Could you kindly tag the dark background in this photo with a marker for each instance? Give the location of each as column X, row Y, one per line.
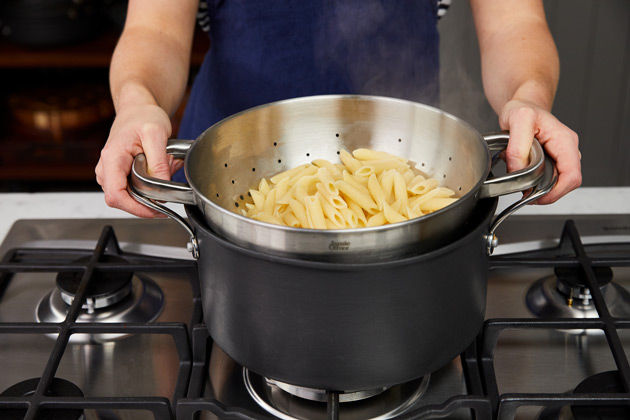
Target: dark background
column 55, row 109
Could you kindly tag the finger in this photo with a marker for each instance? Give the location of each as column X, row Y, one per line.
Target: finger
column 154, row 140
column 562, row 147
column 522, row 125
column 176, row 165
column 115, row 188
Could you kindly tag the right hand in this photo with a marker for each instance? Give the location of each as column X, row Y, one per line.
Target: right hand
column 136, row 129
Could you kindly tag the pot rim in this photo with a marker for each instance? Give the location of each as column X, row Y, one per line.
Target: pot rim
column 229, row 213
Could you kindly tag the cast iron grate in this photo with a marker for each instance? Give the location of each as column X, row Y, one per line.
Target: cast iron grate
column 570, row 252
column 65, row 260
column 190, row 407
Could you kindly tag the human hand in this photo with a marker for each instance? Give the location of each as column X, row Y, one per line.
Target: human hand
column 525, row 121
column 136, row 129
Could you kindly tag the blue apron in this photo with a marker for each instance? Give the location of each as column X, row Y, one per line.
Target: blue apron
column 266, row 50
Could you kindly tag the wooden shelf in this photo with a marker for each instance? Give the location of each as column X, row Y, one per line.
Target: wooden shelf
column 90, row 54
column 48, row 172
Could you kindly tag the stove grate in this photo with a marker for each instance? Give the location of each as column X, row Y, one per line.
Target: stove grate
column 65, row 260
column 506, row 405
column 188, row 408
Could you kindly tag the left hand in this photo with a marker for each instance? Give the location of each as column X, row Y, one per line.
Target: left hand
column 525, row 121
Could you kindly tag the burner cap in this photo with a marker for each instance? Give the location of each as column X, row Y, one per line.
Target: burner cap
column 605, row 382
column 58, row 388
column 574, row 277
column 104, row 289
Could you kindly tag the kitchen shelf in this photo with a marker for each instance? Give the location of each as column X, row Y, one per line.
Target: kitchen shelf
column 27, row 159
column 94, row 53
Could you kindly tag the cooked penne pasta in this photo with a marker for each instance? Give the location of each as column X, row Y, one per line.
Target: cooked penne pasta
column 350, row 162
column 368, row 188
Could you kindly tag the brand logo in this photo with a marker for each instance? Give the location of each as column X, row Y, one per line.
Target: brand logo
column 339, row 245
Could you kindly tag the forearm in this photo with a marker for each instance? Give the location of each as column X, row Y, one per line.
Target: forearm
column 518, row 56
column 148, row 68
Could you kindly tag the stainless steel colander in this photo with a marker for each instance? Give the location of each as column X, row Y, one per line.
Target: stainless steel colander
column 231, row 156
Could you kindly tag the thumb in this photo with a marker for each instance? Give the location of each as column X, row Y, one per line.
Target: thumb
column 154, row 139
column 522, row 126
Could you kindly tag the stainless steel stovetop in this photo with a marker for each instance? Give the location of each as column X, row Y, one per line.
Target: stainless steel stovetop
column 137, row 365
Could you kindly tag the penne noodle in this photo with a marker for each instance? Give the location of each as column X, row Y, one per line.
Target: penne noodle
column 352, row 220
column 408, row 175
column 435, row 204
column 265, row 217
column 270, row 202
column 377, row 220
column 354, row 207
column 282, row 187
column 335, row 200
column 290, row 220
column 364, row 171
column 424, row 186
column 334, row 171
column 367, row 154
column 385, row 164
column 351, row 163
column 374, row 187
column 391, row 215
column 362, row 198
column 314, row 212
column 387, row 185
column 288, row 174
column 299, row 211
column 259, row 199
column 263, row 186
column 354, row 182
column 400, row 189
column 327, row 180
column 332, row 214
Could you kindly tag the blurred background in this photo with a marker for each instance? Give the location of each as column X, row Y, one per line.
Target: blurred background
column 55, row 108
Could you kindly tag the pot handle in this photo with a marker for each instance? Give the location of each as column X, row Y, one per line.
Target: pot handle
column 546, row 183
column 159, row 189
column 520, row 180
column 147, row 190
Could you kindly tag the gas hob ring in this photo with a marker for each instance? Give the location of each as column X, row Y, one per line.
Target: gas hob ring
column 397, row 411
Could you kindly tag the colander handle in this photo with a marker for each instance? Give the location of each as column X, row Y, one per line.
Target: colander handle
column 545, row 184
column 152, row 188
column 520, row 180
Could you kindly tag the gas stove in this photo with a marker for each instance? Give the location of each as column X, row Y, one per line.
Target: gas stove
column 101, row 319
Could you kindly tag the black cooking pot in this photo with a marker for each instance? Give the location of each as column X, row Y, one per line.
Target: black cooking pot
column 342, row 326
column 346, row 326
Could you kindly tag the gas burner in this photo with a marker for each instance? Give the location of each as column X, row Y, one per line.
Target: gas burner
column 605, row 382
column 290, row 402
column 104, row 289
column 564, row 295
column 111, row 297
column 58, row 388
column 320, row 395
